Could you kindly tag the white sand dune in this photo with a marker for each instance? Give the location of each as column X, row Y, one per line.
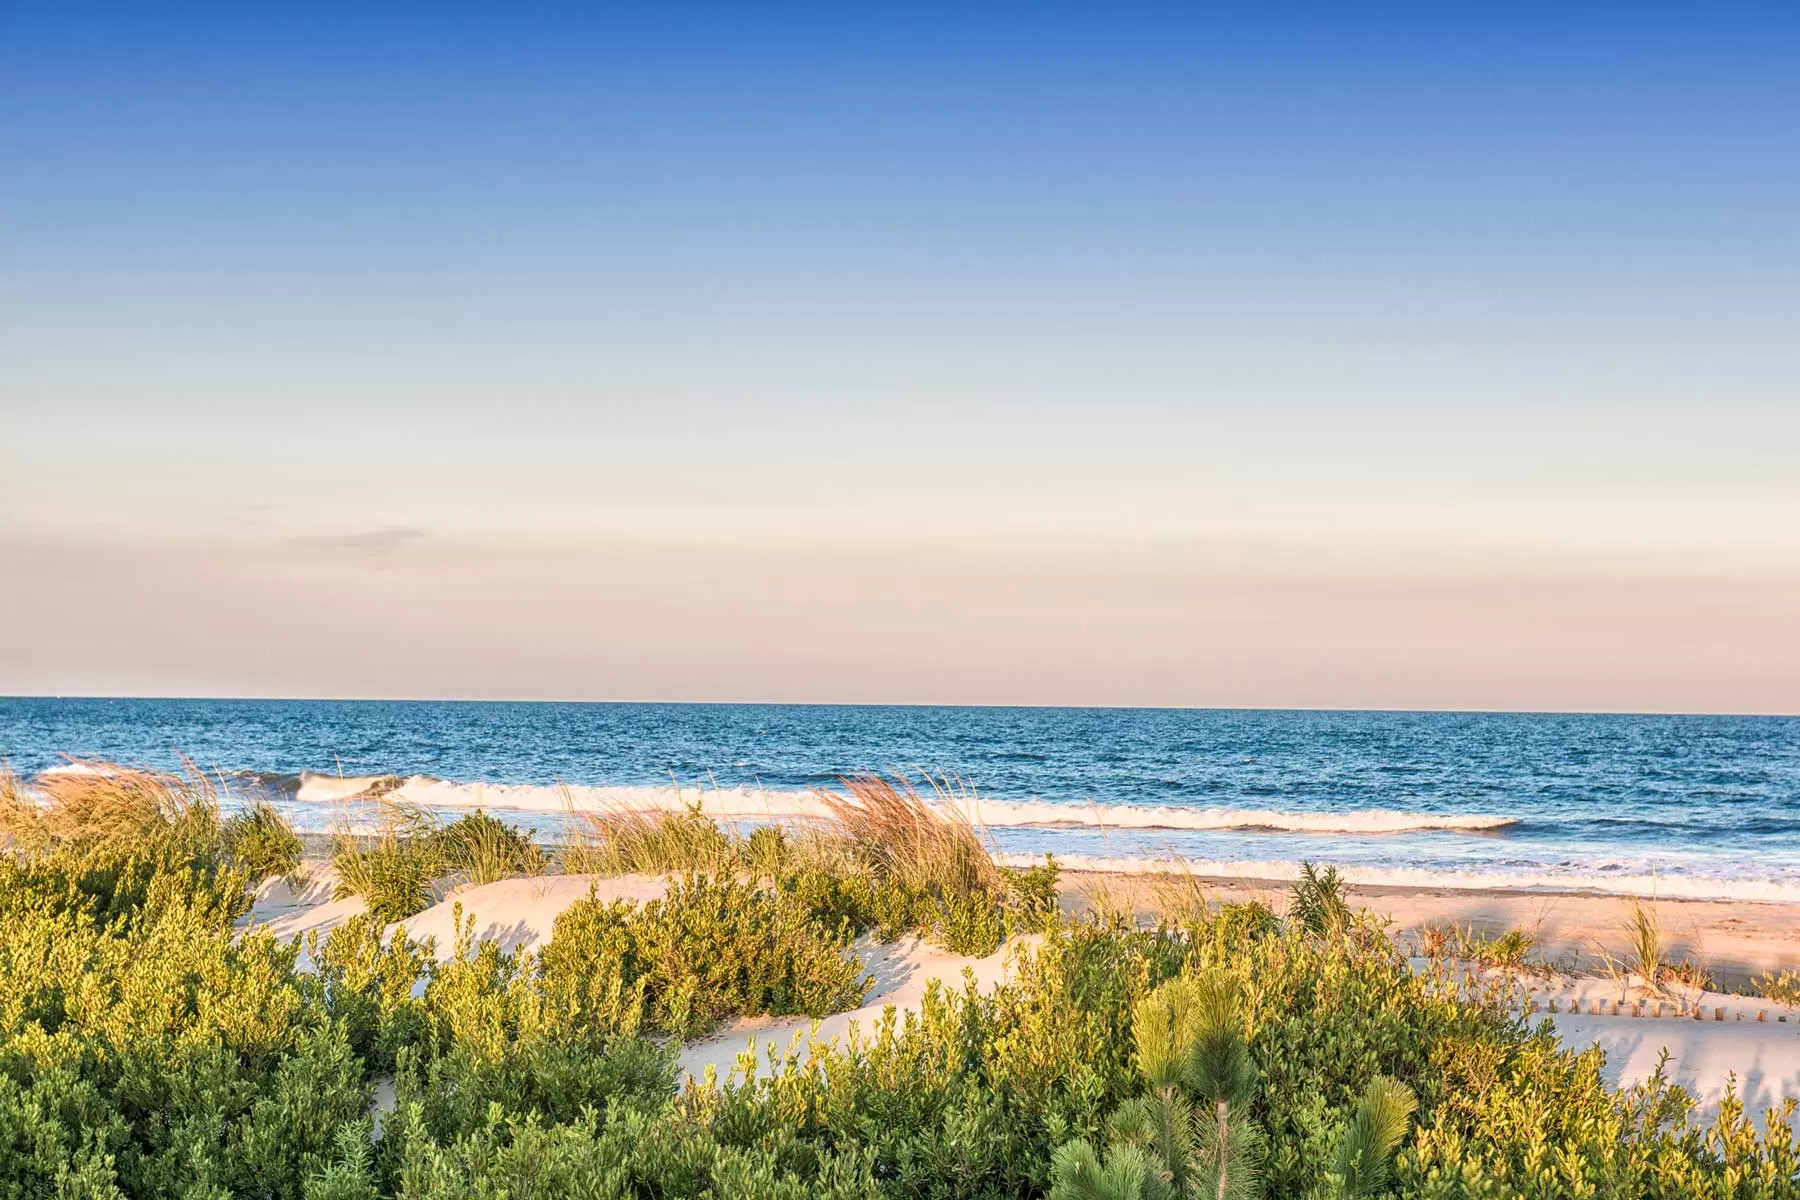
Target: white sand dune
column 518, row 913
column 1728, row 1043
column 1762, row 1056
column 903, row 972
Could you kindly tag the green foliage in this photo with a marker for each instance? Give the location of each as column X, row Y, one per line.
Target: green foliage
column 1782, row 988
column 1374, row 1130
column 484, row 850
column 260, row 840
column 710, row 948
column 394, row 868
column 1509, row 949
column 1032, row 891
column 1317, row 901
column 149, row 1049
column 1128, row 1172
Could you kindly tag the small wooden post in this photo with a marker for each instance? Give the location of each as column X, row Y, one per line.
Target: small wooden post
column 1718, row 1014
column 1762, row 1014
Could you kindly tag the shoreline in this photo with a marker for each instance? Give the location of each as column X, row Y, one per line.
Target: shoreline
column 1734, row 939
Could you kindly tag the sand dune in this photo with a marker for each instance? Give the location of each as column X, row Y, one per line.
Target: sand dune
column 1761, row 1056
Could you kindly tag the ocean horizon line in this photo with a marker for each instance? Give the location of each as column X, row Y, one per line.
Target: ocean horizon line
column 1473, row 711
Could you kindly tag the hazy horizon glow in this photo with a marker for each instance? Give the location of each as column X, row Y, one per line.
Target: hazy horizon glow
column 1409, row 359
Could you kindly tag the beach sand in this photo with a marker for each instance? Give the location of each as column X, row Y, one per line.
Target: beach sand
column 1735, row 940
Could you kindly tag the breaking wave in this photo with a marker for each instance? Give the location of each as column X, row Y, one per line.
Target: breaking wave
column 754, row 803
column 1633, row 882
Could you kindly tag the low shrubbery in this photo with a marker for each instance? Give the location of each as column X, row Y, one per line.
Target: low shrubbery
column 710, row 949
column 888, row 860
column 148, row 1049
column 1782, row 987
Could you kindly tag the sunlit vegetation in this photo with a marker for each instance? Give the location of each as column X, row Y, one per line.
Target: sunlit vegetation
column 150, row 1046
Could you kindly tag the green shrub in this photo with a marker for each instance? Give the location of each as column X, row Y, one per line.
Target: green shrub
column 709, row 949
column 261, row 841
column 1782, row 988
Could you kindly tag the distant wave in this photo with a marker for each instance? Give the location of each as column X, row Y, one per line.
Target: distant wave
column 730, row 803
column 1632, row 883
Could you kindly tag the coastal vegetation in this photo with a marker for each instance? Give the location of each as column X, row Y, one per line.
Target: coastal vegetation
column 152, row 1044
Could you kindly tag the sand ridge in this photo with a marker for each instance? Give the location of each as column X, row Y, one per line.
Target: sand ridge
column 1733, row 938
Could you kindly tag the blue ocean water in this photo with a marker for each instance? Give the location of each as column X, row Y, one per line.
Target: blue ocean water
column 1680, row 805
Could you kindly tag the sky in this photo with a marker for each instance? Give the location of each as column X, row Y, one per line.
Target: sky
column 1397, row 356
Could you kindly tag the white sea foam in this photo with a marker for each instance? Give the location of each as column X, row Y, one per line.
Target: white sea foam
column 730, row 803
column 78, row 767
column 1668, row 887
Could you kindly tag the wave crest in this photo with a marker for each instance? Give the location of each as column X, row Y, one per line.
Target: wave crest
column 755, row 803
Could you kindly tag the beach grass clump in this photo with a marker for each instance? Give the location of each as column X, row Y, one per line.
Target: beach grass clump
column 1178, row 897
column 482, row 850
column 1644, row 944
column 393, row 867
column 885, row 858
column 260, row 840
column 928, row 867
column 925, row 846
column 107, row 840
column 1510, row 950
column 95, row 802
column 619, row 840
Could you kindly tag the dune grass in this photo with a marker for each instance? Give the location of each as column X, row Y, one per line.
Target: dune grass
column 260, row 840
column 101, row 801
column 887, row 856
column 393, row 867
column 927, row 846
column 1644, row 944
column 619, row 840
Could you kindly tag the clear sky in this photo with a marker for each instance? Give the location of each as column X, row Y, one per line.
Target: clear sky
column 1357, row 355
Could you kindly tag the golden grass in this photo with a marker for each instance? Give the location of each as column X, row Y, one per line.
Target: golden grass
column 103, row 801
column 921, row 840
column 1644, row 944
column 1109, row 901
column 926, row 845
column 1178, row 896
column 618, row 840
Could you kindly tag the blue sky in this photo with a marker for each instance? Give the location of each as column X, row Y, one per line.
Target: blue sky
column 1436, row 302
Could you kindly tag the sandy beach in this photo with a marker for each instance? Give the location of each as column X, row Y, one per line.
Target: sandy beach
column 1735, row 940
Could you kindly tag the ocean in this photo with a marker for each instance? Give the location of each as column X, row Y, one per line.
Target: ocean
column 1705, row 806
